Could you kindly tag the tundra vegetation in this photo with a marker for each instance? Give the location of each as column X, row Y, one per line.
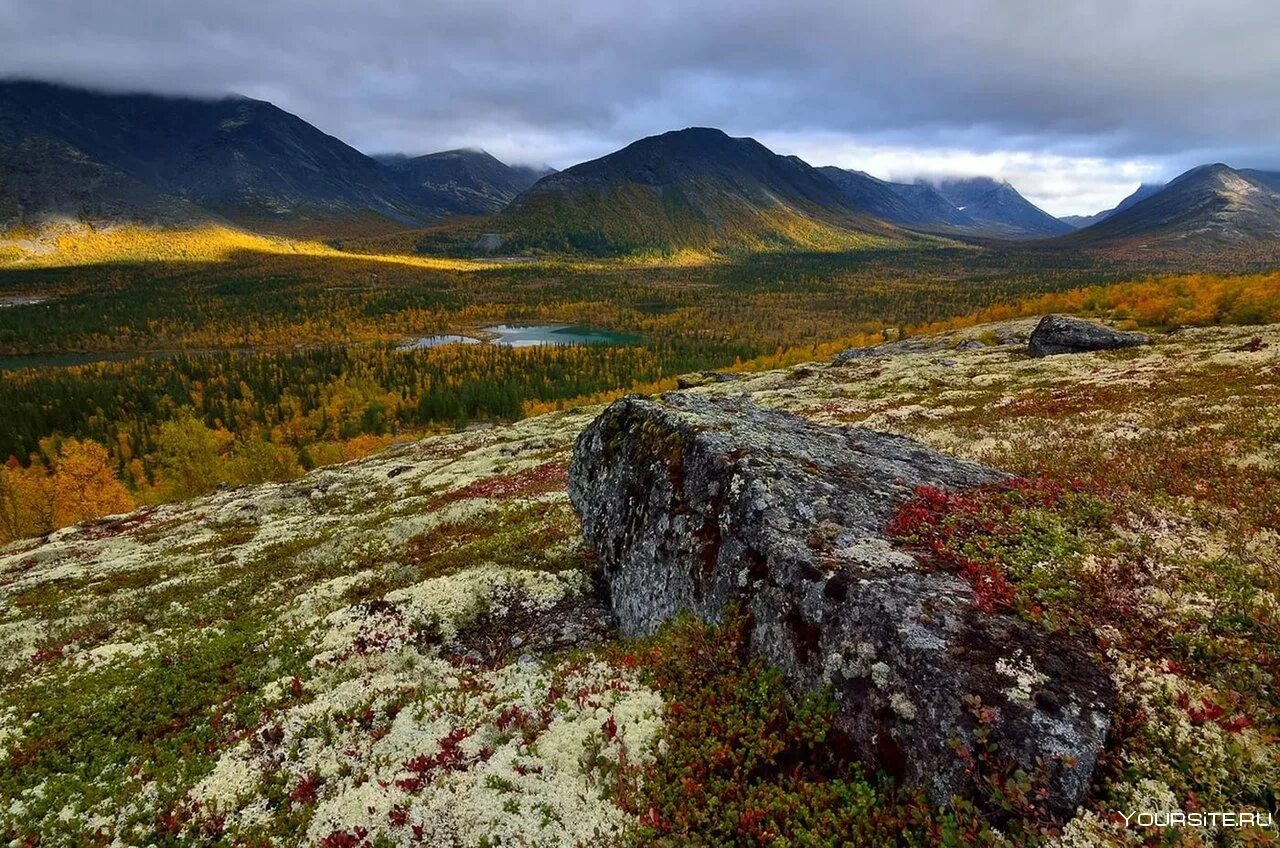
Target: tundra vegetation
column 357, row 658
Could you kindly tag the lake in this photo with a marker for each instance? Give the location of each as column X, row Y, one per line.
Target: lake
column 508, row 335
column 530, row 335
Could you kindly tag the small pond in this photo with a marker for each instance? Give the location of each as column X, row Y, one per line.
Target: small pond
column 530, row 335
column 509, row 335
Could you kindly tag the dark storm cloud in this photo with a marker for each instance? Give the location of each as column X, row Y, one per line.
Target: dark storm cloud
column 1162, row 82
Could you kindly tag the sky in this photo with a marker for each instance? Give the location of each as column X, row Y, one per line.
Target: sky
column 1075, row 102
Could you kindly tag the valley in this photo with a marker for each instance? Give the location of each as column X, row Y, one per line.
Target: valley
column 219, row 359
column 314, row 475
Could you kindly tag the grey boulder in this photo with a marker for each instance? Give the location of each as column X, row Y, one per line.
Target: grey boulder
column 692, row 502
column 1062, row 334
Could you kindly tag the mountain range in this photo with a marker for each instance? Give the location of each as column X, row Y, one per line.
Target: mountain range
column 1206, row 208
column 1141, row 193
column 692, row 188
column 465, row 182
column 67, row 152
column 908, row 204
column 102, row 157
column 972, row 205
column 998, row 209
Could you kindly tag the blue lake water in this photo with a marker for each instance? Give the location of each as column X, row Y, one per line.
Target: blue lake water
column 438, row 341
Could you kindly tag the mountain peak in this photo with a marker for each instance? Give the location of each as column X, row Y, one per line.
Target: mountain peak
column 998, row 208
column 696, row 188
column 463, row 181
column 232, row 157
column 1212, row 203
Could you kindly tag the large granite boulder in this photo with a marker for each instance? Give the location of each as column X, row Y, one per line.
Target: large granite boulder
column 1062, row 334
column 694, row 501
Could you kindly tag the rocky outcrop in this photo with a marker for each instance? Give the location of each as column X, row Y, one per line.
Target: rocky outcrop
column 1061, row 334
column 691, row 502
column 895, row 348
column 705, row 378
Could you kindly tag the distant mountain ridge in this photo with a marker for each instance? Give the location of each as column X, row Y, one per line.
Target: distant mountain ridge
column 910, row 205
column 1143, row 191
column 99, row 157
column 463, row 181
column 998, row 209
column 76, row 153
column 695, row 188
column 1209, row 206
column 975, row 206
column 235, row 158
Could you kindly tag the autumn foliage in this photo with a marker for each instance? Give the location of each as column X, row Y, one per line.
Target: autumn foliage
column 80, row 483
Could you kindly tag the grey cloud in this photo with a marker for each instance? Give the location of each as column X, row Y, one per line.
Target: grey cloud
column 561, row 80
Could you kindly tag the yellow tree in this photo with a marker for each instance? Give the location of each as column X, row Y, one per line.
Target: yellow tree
column 85, row 485
column 26, row 500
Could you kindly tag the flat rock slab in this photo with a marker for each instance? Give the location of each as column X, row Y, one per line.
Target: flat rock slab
column 691, row 502
column 1061, row 334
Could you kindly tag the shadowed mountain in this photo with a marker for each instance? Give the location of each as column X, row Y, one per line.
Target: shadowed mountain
column 154, row 158
column 694, row 188
column 465, row 182
column 43, row 179
column 916, row 205
column 998, row 209
column 1142, row 193
column 1208, row 206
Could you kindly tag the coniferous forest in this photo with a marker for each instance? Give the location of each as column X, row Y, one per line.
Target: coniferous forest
column 234, row 365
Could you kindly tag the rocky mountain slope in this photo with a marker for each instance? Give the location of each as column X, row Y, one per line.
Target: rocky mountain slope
column 158, row 158
column 916, row 205
column 1210, row 207
column 463, row 182
column 1141, row 193
column 998, row 209
column 417, row 649
column 694, row 188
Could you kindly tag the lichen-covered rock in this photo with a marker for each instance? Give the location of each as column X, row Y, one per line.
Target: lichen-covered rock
column 1062, row 334
column 896, row 348
column 704, row 378
column 693, row 501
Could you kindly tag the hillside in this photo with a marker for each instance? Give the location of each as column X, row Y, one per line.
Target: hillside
column 688, row 189
column 998, row 209
column 916, row 205
column 1207, row 208
column 360, row 655
column 154, row 158
column 43, row 179
column 463, row 182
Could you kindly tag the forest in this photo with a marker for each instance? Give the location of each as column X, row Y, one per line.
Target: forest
column 227, row 359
